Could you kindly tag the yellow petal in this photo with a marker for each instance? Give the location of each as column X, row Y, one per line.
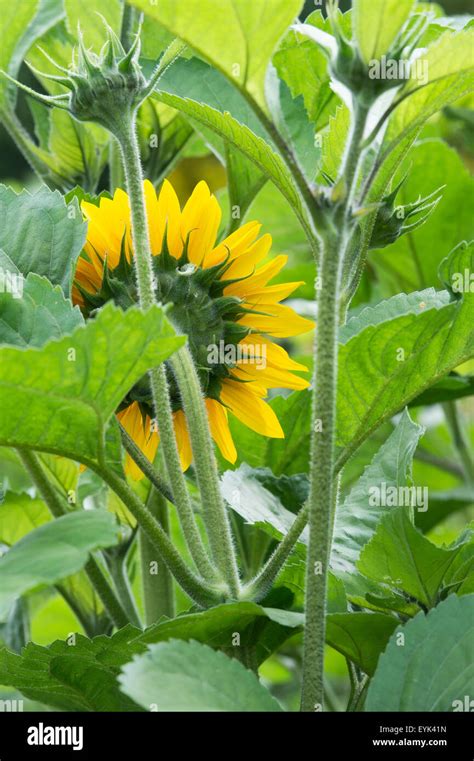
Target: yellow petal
column 245, row 264
column 274, row 355
column 278, row 321
column 169, row 218
column 259, row 279
column 250, row 409
column 272, row 294
column 234, row 245
column 271, row 377
column 155, row 227
column 182, row 439
column 203, row 238
column 140, row 431
column 220, row 431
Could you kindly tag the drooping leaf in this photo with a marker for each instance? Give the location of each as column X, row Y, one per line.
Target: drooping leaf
column 59, row 398
column 41, row 234
column 39, row 314
column 190, row 676
column 434, row 669
column 53, row 551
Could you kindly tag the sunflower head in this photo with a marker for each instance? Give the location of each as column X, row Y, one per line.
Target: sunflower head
column 218, row 294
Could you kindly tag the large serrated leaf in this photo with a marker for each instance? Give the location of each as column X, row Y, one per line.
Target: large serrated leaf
column 39, row 315
column 433, row 670
column 39, row 233
column 60, row 398
column 189, row 676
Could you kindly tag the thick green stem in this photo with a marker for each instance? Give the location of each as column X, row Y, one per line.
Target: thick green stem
column 322, row 482
column 215, row 514
column 127, row 138
column 93, row 570
column 157, row 582
column 260, row 585
column 460, row 440
column 197, row 588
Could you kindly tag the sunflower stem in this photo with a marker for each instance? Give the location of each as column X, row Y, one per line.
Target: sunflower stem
column 157, row 582
column 336, row 238
column 57, row 509
column 215, row 515
column 127, row 138
column 258, row 587
column 197, row 588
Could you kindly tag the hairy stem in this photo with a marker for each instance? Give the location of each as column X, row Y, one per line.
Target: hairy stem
column 460, row 440
column 157, row 582
column 126, row 135
column 196, row 587
column 215, row 514
column 322, row 481
column 57, row 509
column 145, row 465
column 260, row 585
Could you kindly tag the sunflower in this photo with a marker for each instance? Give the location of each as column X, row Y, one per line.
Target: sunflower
column 217, row 294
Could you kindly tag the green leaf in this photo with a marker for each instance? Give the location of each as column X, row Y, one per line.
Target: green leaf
column 389, row 363
column 85, row 376
column 91, row 24
column 334, row 140
column 189, row 676
column 434, row 669
column 292, row 120
column 402, row 303
column 448, row 62
column 376, row 25
column 361, row 637
column 41, row 234
column 303, row 66
column 357, row 517
column 20, row 514
column 269, row 502
column 442, row 504
column 412, row 262
column 84, row 677
column 251, row 33
column 21, row 24
column 243, row 139
column 53, row 551
column 400, row 556
column 41, row 314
